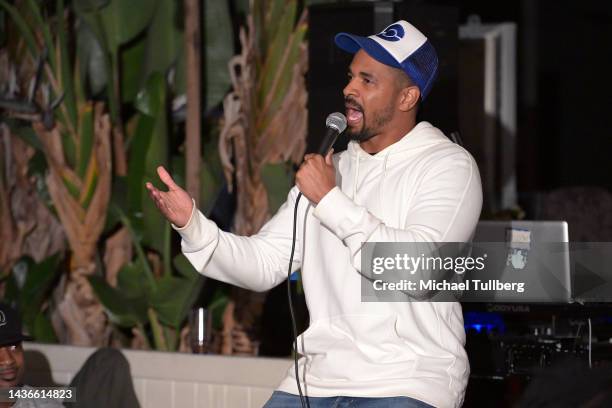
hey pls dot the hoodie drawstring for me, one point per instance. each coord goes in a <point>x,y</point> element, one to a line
<point>356,178</point>
<point>381,185</point>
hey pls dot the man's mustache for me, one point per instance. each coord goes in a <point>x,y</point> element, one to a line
<point>352,104</point>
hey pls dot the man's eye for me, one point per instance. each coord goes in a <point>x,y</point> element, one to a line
<point>367,81</point>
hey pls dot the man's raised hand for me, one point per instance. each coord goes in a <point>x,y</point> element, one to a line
<point>175,204</point>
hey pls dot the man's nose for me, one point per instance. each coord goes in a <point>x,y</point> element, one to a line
<point>6,357</point>
<point>350,89</point>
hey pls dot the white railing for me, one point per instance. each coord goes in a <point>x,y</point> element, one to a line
<point>170,380</point>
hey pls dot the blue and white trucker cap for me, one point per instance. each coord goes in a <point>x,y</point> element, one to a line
<point>401,46</point>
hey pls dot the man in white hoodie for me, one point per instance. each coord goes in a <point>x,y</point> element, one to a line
<point>398,181</point>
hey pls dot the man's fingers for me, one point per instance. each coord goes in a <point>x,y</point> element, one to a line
<point>328,159</point>
<point>153,192</point>
<point>151,187</point>
<point>155,196</point>
<point>166,178</point>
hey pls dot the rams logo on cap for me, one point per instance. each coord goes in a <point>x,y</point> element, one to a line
<point>2,318</point>
<point>394,32</point>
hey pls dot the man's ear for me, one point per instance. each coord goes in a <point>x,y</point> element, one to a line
<point>409,98</point>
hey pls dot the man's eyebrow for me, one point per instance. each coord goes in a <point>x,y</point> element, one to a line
<point>362,74</point>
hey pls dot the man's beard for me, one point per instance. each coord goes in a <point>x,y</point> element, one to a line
<point>380,119</point>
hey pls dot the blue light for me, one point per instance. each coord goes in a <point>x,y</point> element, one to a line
<point>483,320</point>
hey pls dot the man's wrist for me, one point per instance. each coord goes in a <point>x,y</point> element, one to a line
<point>322,196</point>
<point>193,211</point>
<point>326,208</point>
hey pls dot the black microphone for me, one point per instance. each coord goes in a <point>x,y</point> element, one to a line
<point>335,123</point>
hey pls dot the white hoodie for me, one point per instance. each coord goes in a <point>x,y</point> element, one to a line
<point>423,188</point>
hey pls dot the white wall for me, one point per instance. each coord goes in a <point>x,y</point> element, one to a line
<point>171,380</point>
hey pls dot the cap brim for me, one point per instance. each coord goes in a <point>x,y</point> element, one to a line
<point>5,341</point>
<point>353,43</point>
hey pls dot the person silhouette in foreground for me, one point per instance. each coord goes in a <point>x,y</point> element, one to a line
<point>12,361</point>
<point>103,381</point>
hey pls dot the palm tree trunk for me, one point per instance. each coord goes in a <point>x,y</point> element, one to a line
<point>192,138</point>
<point>81,312</point>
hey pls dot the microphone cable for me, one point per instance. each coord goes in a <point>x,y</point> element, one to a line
<point>336,124</point>
<point>291,311</point>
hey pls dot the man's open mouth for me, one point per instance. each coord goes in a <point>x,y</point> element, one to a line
<point>354,115</point>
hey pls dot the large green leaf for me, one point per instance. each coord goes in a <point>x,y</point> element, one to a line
<point>278,181</point>
<point>44,28</point>
<point>275,50</point>
<point>184,267</point>
<point>212,178</point>
<point>151,101</point>
<point>43,331</point>
<point>26,133</point>
<point>127,222</point>
<point>121,311</point>
<point>124,20</point>
<point>86,140</point>
<point>241,7</point>
<point>70,151</point>
<point>119,197</point>
<point>132,67</point>
<point>218,304</point>
<point>164,40</point>
<point>273,19</point>
<point>11,290</point>
<point>117,21</point>
<point>90,5</point>
<point>258,10</point>
<point>35,289</point>
<point>174,297</point>
<point>65,66</point>
<point>210,187</point>
<point>22,26</point>
<point>92,59</point>
<point>141,139</point>
<point>132,282</point>
<point>286,75</point>
<point>219,48</point>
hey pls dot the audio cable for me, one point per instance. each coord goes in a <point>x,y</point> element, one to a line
<point>293,321</point>
<point>335,124</point>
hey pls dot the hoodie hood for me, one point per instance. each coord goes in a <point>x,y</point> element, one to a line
<point>423,136</point>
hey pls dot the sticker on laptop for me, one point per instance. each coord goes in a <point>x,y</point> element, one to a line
<point>519,242</point>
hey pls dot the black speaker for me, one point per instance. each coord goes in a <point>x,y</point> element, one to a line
<point>328,65</point>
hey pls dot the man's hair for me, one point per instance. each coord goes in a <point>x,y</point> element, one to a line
<point>404,81</point>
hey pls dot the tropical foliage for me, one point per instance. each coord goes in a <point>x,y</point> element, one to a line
<point>92,96</point>
<point>264,132</point>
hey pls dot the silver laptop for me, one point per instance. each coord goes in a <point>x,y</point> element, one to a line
<point>532,253</point>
